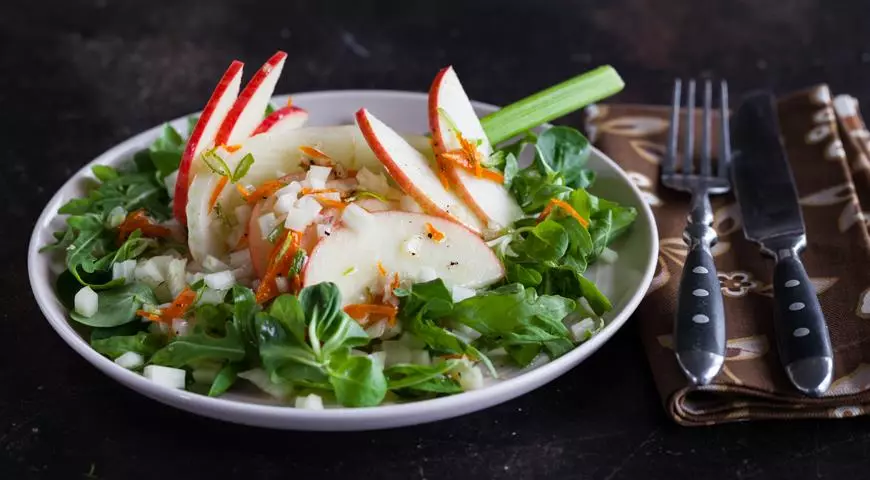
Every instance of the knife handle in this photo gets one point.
(699, 330)
(802, 335)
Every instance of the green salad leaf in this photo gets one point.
(143, 343)
(358, 381)
(165, 153)
(225, 379)
(552, 254)
(564, 150)
(307, 341)
(519, 320)
(197, 346)
(118, 305)
(421, 306)
(418, 380)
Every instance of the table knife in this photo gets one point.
(766, 193)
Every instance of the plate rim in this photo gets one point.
(283, 416)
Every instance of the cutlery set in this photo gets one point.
(766, 194)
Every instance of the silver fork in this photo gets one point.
(699, 328)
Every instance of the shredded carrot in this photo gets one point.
(434, 233)
(154, 317)
(289, 101)
(139, 221)
(442, 176)
(395, 283)
(177, 309)
(493, 175)
(232, 148)
(279, 261)
(217, 192)
(243, 191)
(360, 312)
(330, 203)
(457, 158)
(555, 202)
(381, 270)
(468, 158)
(314, 191)
(264, 191)
(313, 152)
(472, 153)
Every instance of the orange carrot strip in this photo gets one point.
(139, 221)
(313, 152)
(554, 202)
(279, 261)
(381, 270)
(359, 311)
(148, 315)
(314, 191)
(395, 283)
(243, 191)
(217, 192)
(177, 309)
(492, 175)
(264, 191)
(330, 203)
(456, 157)
(232, 148)
(434, 233)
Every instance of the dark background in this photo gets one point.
(78, 77)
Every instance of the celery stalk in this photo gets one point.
(554, 102)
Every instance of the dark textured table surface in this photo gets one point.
(78, 77)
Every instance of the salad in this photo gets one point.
(347, 265)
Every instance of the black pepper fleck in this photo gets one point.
(453, 264)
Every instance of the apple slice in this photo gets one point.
(203, 134)
(275, 151)
(288, 117)
(451, 114)
(205, 234)
(398, 240)
(413, 172)
(247, 112)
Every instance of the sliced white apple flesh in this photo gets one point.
(203, 134)
(451, 114)
(247, 111)
(288, 117)
(205, 235)
(413, 172)
(275, 151)
(349, 257)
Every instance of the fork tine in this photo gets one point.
(669, 162)
(689, 131)
(705, 129)
(725, 134)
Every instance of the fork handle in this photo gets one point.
(699, 330)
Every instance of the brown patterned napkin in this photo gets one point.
(831, 175)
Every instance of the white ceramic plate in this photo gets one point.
(624, 282)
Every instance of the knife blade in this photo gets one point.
(768, 200)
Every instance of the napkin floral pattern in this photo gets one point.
(828, 149)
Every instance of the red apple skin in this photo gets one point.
(179, 203)
(233, 116)
(279, 115)
(393, 169)
(438, 147)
